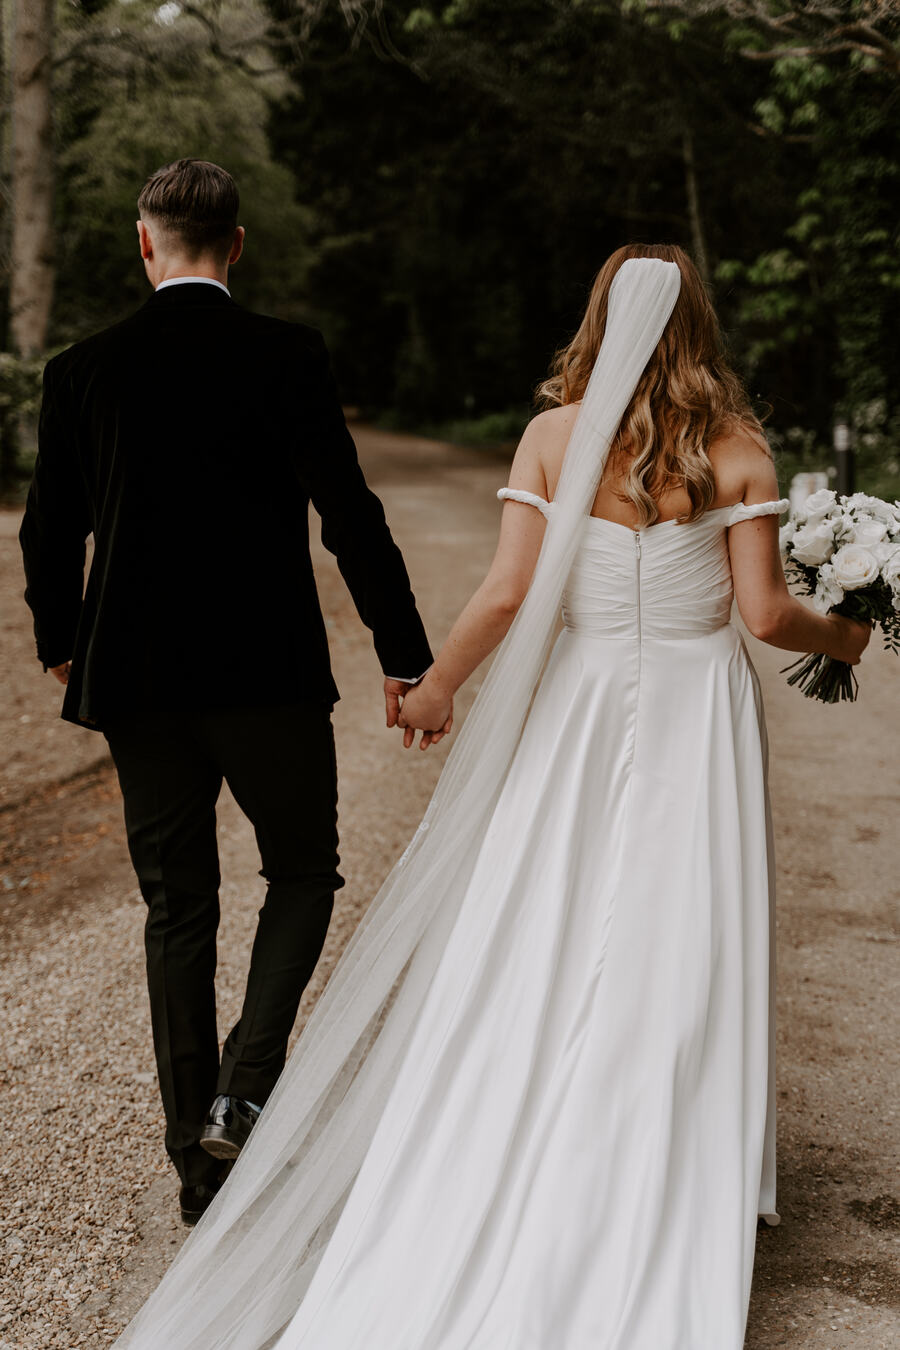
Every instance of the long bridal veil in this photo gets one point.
(243, 1272)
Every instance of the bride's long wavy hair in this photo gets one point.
(687, 396)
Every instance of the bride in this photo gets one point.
(534, 1108)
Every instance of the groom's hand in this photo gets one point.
(394, 690)
(61, 672)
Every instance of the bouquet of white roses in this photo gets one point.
(845, 553)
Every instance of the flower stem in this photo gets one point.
(821, 677)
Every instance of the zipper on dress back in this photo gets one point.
(637, 559)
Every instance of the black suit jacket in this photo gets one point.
(190, 439)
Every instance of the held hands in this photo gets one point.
(417, 714)
(427, 707)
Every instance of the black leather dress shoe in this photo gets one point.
(228, 1126)
(195, 1201)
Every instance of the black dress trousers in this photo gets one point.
(280, 765)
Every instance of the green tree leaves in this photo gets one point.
(435, 182)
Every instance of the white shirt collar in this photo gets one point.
(179, 281)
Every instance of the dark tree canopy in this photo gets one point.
(435, 185)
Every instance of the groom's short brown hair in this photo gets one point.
(195, 200)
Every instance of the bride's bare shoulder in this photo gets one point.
(547, 434)
(552, 420)
(742, 462)
(740, 437)
(542, 447)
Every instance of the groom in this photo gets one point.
(190, 439)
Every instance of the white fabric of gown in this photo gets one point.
(581, 1133)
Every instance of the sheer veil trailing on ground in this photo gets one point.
(243, 1272)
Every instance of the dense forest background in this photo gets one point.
(435, 185)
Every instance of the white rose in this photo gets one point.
(828, 592)
(869, 532)
(818, 504)
(860, 501)
(785, 535)
(883, 511)
(868, 507)
(890, 568)
(813, 544)
(854, 567)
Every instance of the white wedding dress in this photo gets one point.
(581, 1132)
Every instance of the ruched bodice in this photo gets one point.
(666, 581)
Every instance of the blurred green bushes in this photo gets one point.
(20, 397)
(489, 431)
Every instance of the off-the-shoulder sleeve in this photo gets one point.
(529, 498)
(742, 512)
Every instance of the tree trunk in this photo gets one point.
(8, 447)
(31, 250)
(698, 238)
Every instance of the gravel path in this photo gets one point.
(89, 1222)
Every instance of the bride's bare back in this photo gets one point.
(740, 461)
(744, 472)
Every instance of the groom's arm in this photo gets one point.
(354, 528)
(56, 525)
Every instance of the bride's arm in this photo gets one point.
(487, 617)
(766, 605)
